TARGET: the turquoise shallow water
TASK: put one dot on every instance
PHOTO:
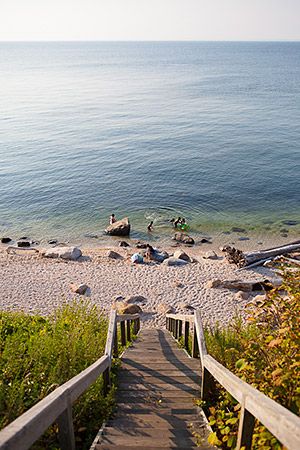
(151, 131)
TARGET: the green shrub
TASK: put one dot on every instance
(266, 354)
(38, 354)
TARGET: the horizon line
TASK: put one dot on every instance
(145, 40)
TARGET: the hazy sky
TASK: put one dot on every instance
(149, 19)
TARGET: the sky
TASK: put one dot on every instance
(217, 20)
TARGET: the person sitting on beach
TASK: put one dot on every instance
(150, 226)
(149, 252)
(112, 219)
(177, 221)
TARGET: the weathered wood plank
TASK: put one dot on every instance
(282, 423)
(111, 333)
(66, 434)
(26, 429)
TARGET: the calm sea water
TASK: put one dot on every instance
(210, 131)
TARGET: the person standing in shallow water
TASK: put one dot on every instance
(112, 219)
(150, 226)
(176, 222)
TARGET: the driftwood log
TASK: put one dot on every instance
(246, 286)
(241, 259)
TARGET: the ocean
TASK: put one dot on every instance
(149, 130)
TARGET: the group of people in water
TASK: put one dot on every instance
(180, 222)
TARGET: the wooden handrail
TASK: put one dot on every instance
(57, 406)
(281, 422)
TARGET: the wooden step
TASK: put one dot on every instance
(158, 441)
(142, 447)
(138, 386)
(169, 418)
(149, 432)
(157, 408)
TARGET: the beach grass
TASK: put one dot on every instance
(40, 353)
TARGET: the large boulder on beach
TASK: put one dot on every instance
(179, 254)
(80, 289)
(184, 238)
(68, 253)
(210, 255)
(174, 262)
(119, 228)
(163, 308)
(113, 255)
(123, 307)
(136, 299)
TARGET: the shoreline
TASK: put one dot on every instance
(34, 284)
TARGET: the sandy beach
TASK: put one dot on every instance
(35, 284)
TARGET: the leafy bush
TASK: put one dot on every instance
(265, 353)
(38, 354)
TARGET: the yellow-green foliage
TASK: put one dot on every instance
(38, 354)
(265, 354)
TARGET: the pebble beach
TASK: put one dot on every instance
(34, 284)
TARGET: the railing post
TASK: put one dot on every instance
(123, 333)
(246, 427)
(106, 381)
(176, 328)
(179, 328)
(116, 344)
(206, 384)
(128, 325)
(167, 323)
(195, 347)
(186, 334)
(138, 324)
(66, 430)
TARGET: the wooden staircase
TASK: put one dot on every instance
(158, 385)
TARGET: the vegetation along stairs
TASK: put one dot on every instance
(158, 385)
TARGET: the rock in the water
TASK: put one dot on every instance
(23, 243)
(69, 253)
(184, 238)
(53, 241)
(205, 241)
(210, 255)
(114, 255)
(242, 295)
(5, 240)
(179, 254)
(290, 223)
(238, 230)
(119, 228)
(79, 288)
(123, 244)
(163, 308)
(174, 262)
(136, 299)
